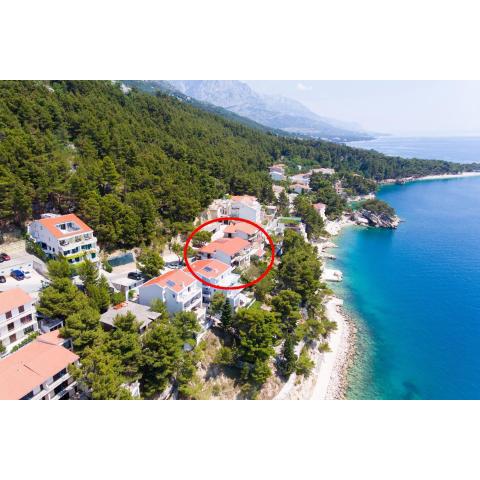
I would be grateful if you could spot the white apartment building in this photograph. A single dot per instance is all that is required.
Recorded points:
(301, 178)
(246, 232)
(17, 317)
(219, 273)
(246, 206)
(66, 235)
(235, 252)
(178, 289)
(38, 371)
(277, 172)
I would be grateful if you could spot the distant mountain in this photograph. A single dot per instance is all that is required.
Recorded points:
(272, 111)
(154, 86)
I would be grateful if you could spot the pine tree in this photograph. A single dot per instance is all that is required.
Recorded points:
(83, 327)
(226, 318)
(124, 343)
(289, 359)
(150, 263)
(162, 350)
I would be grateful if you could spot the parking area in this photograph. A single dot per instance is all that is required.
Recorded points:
(26, 263)
(32, 285)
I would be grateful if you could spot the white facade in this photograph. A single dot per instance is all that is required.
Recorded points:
(277, 176)
(219, 274)
(186, 300)
(175, 296)
(61, 385)
(18, 321)
(66, 235)
(238, 259)
(246, 207)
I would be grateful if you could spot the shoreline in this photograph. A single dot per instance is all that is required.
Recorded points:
(330, 373)
(331, 379)
(444, 176)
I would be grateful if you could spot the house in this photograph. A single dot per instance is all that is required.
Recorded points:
(301, 178)
(235, 252)
(178, 289)
(219, 273)
(292, 223)
(242, 230)
(300, 187)
(277, 172)
(144, 315)
(17, 317)
(323, 171)
(66, 235)
(38, 371)
(246, 206)
(221, 207)
(246, 232)
(320, 208)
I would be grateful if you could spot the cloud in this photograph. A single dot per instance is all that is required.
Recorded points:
(302, 87)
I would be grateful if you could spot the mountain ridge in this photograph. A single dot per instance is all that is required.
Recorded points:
(273, 111)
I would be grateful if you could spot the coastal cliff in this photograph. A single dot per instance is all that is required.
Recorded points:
(372, 219)
(376, 213)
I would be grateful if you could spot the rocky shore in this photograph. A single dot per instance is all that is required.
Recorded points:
(372, 219)
(338, 384)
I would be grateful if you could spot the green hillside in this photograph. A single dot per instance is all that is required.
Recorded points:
(135, 165)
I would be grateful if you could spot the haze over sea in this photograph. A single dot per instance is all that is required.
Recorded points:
(415, 291)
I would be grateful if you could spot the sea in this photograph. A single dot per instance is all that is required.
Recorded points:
(414, 292)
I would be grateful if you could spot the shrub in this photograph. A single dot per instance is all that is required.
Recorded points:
(304, 363)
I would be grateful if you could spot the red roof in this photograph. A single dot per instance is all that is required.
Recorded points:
(175, 280)
(230, 246)
(51, 223)
(13, 299)
(241, 227)
(31, 366)
(210, 268)
(320, 206)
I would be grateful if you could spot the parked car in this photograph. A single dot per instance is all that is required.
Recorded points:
(27, 273)
(135, 275)
(17, 275)
(2, 279)
(1, 259)
(5, 257)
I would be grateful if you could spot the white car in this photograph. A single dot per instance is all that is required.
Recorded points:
(27, 273)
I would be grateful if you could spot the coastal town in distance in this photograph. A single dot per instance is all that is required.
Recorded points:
(155, 247)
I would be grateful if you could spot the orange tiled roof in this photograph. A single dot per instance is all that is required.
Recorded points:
(13, 298)
(241, 227)
(51, 222)
(244, 199)
(176, 280)
(210, 268)
(31, 366)
(230, 246)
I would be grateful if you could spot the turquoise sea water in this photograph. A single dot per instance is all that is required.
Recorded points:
(415, 294)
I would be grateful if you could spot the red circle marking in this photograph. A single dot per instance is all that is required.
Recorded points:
(236, 219)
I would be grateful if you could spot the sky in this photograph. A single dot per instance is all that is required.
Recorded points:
(428, 108)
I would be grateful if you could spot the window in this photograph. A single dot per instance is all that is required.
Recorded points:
(28, 330)
(28, 396)
(60, 374)
(12, 338)
(26, 319)
(11, 326)
(8, 315)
